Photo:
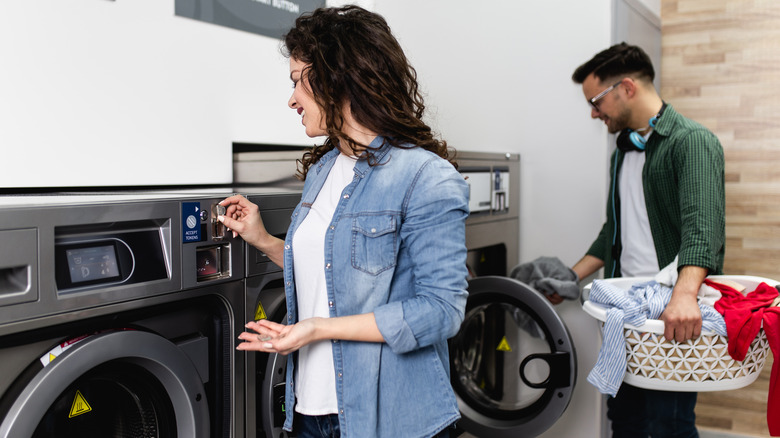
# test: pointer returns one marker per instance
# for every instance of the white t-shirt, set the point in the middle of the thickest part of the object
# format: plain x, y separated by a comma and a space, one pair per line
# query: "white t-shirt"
638, 257
315, 380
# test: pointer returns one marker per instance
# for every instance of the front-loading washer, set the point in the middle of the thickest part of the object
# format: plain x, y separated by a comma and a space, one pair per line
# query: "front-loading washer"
119, 315
514, 364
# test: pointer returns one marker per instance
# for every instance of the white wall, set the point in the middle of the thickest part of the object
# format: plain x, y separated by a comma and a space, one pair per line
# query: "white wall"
498, 78
653, 6
96, 92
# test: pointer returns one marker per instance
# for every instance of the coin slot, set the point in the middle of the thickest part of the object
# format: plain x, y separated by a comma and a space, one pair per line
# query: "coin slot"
218, 229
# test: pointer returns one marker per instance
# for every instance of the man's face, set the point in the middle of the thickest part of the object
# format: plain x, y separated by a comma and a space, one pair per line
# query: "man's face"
606, 102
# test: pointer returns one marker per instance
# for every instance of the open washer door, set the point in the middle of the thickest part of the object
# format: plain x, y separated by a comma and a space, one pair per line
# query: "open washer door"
512, 363
115, 383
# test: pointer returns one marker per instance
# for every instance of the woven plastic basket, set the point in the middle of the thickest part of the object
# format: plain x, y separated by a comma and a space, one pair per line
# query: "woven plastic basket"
701, 364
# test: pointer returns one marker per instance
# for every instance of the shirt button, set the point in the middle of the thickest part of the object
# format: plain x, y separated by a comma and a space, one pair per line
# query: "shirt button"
288, 283
332, 227
286, 246
373, 230
342, 411
330, 303
327, 266
335, 341
346, 196
340, 375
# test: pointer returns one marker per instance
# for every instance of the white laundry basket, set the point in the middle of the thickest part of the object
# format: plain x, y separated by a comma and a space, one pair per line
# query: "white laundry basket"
701, 364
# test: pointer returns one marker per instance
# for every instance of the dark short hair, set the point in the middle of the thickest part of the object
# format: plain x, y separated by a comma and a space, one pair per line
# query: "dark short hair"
619, 60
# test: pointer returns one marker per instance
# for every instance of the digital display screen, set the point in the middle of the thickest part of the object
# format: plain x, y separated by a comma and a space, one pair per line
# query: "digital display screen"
92, 263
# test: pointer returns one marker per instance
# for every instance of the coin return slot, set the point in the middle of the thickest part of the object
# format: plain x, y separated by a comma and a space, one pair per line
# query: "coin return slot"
14, 280
213, 262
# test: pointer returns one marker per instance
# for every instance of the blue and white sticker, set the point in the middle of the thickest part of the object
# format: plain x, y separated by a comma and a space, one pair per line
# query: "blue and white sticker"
190, 217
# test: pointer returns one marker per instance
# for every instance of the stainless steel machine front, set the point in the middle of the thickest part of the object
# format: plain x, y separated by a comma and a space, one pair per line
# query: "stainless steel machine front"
119, 315
512, 364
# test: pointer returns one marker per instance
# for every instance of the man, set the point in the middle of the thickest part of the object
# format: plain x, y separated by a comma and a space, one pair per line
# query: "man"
666, 200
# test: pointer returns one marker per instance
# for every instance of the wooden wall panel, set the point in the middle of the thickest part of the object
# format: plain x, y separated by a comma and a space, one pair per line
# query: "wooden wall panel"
721, 67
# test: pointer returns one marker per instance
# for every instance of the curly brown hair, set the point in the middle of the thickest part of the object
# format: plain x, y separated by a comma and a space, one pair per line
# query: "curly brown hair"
352, 58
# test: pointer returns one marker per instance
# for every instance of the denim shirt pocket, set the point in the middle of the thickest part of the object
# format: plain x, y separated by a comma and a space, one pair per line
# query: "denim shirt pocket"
374, 243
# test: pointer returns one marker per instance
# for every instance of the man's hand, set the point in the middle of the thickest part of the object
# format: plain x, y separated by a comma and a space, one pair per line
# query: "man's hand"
682, 317
554, 298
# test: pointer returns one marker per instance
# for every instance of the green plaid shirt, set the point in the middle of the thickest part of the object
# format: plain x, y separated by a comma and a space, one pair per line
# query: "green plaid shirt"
684, 194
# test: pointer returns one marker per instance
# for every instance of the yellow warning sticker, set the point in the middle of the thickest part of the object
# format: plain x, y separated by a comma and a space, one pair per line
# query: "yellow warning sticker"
504, 345
80, 405
51, 357
260, 312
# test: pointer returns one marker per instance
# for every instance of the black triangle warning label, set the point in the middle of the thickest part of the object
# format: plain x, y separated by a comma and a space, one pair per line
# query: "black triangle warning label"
80, 405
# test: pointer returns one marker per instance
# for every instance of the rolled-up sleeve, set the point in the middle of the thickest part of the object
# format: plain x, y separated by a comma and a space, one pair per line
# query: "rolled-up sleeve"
699, 162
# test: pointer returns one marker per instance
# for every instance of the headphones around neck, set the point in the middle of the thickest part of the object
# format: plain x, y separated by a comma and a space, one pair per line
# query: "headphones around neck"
629, 140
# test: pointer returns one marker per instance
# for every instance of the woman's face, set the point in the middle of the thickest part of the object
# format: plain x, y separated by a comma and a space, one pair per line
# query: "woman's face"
303, 101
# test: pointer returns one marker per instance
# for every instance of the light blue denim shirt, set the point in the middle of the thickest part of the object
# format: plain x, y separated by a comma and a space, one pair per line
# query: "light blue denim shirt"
395, 247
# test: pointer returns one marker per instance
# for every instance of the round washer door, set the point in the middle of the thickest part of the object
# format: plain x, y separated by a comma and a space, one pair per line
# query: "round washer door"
109, 383
512, 363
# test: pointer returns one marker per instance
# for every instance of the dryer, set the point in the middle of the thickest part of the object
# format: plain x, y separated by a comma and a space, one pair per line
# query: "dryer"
119, 315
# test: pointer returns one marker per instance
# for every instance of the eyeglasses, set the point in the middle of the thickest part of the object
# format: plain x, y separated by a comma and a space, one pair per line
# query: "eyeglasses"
594, 101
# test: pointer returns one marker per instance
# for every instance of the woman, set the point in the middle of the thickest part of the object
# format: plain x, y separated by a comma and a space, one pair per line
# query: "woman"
375, 258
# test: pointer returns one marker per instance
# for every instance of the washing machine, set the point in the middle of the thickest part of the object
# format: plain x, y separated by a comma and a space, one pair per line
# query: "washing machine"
516, 364
119, 315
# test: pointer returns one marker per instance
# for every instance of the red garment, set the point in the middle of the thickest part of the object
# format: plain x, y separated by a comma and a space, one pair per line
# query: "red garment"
744, 316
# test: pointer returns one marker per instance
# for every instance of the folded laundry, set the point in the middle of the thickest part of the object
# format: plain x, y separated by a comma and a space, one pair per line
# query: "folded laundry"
643, 301
548, 275
745, 315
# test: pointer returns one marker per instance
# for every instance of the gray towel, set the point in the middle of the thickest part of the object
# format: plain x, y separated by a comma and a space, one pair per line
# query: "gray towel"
548, 275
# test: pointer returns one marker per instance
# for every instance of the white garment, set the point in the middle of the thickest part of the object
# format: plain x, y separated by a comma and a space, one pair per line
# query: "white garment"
315, 379
638, 257
708, 295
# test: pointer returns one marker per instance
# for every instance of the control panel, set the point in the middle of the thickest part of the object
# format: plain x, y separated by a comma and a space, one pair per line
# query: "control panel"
489, 189
102, 255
